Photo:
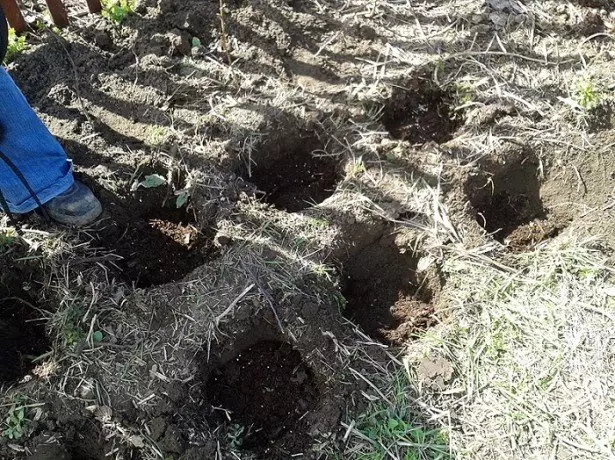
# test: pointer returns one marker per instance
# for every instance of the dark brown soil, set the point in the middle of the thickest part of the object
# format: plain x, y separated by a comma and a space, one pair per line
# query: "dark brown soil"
159, 246
385, 295
293, 174
608, 5
592, 24
22, 336
266, 389
419, 111
528, 236
508, 199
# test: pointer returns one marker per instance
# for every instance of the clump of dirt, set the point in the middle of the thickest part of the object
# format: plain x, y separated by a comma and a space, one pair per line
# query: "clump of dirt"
508, 199
267, 389
608, 5
528, 236
293, 172
591, 24
419, 111
385, 294
22, 335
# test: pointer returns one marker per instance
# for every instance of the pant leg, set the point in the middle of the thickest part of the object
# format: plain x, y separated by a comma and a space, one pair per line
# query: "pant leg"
31, 147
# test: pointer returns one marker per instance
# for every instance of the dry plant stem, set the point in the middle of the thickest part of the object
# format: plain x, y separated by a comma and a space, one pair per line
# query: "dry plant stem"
224, 35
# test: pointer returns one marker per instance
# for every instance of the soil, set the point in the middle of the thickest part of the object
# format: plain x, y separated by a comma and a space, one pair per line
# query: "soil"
419, 112
155, 241
507, 199
268, 390
302, 95
527, 237
293, 176
385, 295
606, 4
22, 336
435, 372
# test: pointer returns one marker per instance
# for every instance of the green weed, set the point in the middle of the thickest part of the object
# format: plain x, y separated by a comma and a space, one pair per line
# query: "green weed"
587, 96
8, 238
118, 10
72, 329
16, 423
355, 169
235, 436
465, 93
16, 45
157, 136
393, 429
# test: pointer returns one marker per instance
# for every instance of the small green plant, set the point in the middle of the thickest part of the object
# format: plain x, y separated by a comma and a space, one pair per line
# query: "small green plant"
150, 181
464, 93
235, 436
182, 198
393, 429
118, 10
587, 96
355, 168
16, 422
15, 46
8, 238
158, 135
72, 330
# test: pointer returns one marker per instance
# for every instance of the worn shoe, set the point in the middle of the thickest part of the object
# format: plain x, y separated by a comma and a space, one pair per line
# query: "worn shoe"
76, 207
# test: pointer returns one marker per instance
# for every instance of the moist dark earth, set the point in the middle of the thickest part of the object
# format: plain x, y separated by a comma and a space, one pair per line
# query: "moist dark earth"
419, 112
385, 295
22, 336
294, 175
160, 247
267, 390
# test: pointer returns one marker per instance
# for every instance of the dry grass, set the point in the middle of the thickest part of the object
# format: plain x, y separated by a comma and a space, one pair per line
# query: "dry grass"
530, 347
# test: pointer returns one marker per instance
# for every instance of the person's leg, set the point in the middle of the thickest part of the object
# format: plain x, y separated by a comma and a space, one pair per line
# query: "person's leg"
27, 146
32, 149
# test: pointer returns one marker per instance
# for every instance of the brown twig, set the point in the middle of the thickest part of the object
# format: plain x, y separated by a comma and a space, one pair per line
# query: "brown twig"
224, 34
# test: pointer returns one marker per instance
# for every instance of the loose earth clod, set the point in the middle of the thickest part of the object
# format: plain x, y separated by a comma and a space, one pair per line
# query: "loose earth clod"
419, 111
293, 173
21, 338
267, 389
507, 200
385, 295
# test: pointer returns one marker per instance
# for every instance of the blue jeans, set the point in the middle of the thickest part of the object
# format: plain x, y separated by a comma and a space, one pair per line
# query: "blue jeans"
25, 140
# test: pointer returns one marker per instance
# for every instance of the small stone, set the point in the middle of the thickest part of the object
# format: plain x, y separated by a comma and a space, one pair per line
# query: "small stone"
477, 18
103, 40
435, 372
499, 19
368, 33
181, 42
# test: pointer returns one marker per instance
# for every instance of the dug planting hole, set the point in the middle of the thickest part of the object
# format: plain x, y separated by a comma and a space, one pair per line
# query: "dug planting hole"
266, 391
419, 111
161, 244
293, 173
385, 294
22, 336
509, 200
